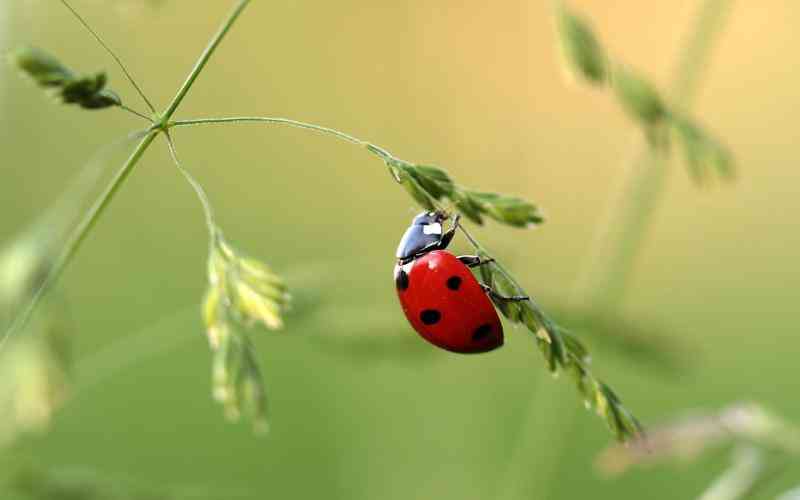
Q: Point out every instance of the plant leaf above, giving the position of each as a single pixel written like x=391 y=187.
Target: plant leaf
x=639 y=98
x=582 y=53
x=702 y=152
x=88 y=92
x=433 y=179
x=42 y=67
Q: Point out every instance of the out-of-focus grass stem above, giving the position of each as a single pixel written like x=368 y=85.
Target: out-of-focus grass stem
x=91 y=218
x=618 y=239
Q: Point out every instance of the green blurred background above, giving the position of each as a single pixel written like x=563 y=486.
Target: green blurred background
x=360 y=406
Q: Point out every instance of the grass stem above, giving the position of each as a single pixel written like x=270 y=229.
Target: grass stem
x=203 y=60
x=198 y=188
x=271 y=120
x=134 y=112
x=112 y=54
x=78 y=236
x=90 y=219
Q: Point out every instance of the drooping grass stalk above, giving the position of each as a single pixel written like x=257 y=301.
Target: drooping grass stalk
x=288 y=122
x=91 y=218
x=617 y=242
x=502 y=270
x=213 y=228
x=271 y=120
x=208 y=210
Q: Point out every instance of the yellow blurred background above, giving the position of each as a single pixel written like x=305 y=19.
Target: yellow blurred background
x=360 y=406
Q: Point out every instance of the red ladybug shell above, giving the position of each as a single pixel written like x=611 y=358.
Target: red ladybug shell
x=446 y=305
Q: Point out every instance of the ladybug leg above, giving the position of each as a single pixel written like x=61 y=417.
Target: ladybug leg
x=497 y=296
x=446 y=238
x=474 y=260
x=401 y=278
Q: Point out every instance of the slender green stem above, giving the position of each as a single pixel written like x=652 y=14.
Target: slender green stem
x=111 y=53
x=66 y=210
x=271 y=120
x=89 y=220
x=202 y=60
x=134 y=112
x=696 y=51
x=79 y=235
x=198 y=188
x=372 y=148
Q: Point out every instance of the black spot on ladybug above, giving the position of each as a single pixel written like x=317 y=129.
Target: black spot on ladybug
x=481 y=332
x=453 y=283
x=430 y=316
x=401 y=280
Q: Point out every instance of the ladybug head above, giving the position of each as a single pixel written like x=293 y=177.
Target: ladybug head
x=425 y=231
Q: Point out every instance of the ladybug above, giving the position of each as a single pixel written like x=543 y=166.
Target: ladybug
x=440 y=296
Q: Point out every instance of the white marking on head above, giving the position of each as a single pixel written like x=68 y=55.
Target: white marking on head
x=434 y=228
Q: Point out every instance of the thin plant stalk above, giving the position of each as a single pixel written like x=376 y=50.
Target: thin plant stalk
x=134 y=112
x=66 y=210
x=692 y=63
x=270 y=120
x=114 y=56
x=208 y=211
x=203 y=60
x=83 y=229
x=78 y=236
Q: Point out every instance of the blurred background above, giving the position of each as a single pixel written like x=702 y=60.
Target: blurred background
x=361 y=407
